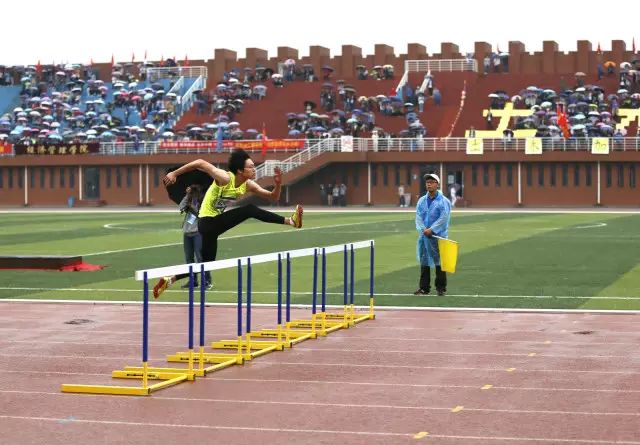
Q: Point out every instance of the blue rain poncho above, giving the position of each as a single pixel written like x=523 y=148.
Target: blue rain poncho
x=435 y=216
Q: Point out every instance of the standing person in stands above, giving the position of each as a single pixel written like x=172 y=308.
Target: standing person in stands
x=433 y=213
x=226 y=188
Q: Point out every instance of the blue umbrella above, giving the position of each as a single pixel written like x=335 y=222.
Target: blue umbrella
x=294 y=133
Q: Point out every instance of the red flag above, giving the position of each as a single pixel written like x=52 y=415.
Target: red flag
x=38 y=67
x=91 y=62
x=161 y=59
x=186 y=60
x=264 y=139
x=633 y=45
x=599 y=50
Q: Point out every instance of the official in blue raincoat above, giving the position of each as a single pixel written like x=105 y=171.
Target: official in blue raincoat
x=433 y=214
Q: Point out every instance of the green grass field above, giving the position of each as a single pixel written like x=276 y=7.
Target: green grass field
x=506 y=259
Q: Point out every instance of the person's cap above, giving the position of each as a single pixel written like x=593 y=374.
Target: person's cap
x=432 y=176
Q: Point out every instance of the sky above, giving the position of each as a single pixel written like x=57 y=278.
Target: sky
x=195 y=28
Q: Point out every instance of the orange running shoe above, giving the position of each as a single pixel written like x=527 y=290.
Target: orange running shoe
x=161 y=286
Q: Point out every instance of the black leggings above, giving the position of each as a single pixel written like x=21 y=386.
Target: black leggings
x=211 y=227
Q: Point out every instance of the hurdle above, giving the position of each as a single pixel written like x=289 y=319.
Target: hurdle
x=325 y=322
x=292 y=336
x=246 y=346
x=217 y=361
x=168 y=376
x=252 y=348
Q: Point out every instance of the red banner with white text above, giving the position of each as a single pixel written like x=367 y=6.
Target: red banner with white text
x=272 y=144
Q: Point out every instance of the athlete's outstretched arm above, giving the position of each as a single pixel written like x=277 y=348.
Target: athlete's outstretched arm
x=220 y=176
x=273 y=195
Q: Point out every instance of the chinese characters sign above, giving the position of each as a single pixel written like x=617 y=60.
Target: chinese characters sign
x=57 y=149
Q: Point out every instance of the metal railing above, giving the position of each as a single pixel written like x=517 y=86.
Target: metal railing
x=177 y=86
x=403 y=80
x=441 y=65
x=498 y=144
x=189 y=97
x=155 y=73
x=315 y=149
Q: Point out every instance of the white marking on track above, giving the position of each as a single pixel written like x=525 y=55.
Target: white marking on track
x=208 y=427
x=246 y=235
x=351 y=405
x=591 y=226
x=233 y=291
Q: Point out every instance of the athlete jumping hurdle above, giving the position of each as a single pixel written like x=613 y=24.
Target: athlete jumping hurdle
x=226 y=188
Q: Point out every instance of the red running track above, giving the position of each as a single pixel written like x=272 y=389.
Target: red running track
x=407 y=377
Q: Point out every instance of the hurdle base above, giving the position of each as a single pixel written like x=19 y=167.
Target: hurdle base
x=293 y=336
x=233 y=344
x=321 y=328
x=106 y=389
x=208 y=357
x=252 y=349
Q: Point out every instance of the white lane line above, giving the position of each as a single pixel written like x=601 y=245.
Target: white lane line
x=348 y=351
x=322 y=432
x=378 y=294
x=332 y=364
x=353 y=405
x=419 y=385
x=591 y=226
x=358 y=365
x=208 y=427
x=246 y=235
x=463 y=353
x=518 y=440
x=349 y=383
x=328 y=210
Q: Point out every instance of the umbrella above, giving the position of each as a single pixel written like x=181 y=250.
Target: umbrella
x=609 y=64
x=294 y=133
x=178 y=190
x=580 y=74
x=289 y=62
x=493 y=96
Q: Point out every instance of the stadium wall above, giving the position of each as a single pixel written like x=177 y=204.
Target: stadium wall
x=501 y=179
x=551 y=60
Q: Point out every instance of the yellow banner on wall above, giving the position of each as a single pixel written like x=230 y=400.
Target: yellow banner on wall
x=600 y=146
x=533 y=146
x=475 y=146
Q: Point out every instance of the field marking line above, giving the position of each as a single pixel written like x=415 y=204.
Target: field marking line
x=247 y=235
x=359 y=308
x=457 y=409
x=329 y=210
x=334 y=364
x=390 y=351
x=209 y=427
x=233 y=291
x=592 y=226
x=352 y=383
